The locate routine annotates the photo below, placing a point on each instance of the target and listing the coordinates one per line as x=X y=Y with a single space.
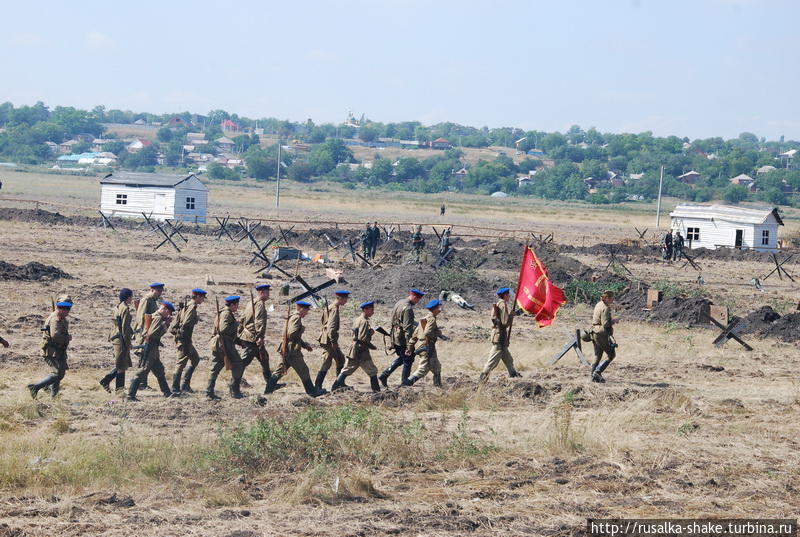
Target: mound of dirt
x=681 y=310
x=766 y=322
x=31 y=272
x=33 y=215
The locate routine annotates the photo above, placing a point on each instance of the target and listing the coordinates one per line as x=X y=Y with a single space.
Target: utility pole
x=278 y=182
x=658 y=206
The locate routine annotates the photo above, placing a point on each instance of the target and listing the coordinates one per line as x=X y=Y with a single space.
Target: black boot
x=320 y=378
x=164 y=385
x=437 y=380
x=597 y=375
x=187 y=379
x=339 y=382
x=106 y=381
x=120 y=386
x=34 y=388
x=212 y=380
x=410 y=380
x=311 y=390
x=383 y=378
x=408 y=363
x=133 y=389
x=514 y=374
x=236 y=388
x=373 y=381
x=55 y=387
x=272 y=385
x=176 y=382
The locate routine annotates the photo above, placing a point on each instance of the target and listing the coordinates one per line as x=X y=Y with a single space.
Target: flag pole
x=516 y=294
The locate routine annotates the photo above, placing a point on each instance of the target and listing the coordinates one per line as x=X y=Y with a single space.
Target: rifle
x=144 y=356
x=119 y=335
x=220 y=338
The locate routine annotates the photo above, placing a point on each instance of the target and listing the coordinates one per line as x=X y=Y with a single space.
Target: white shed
x=727 y=226
x=159 y=196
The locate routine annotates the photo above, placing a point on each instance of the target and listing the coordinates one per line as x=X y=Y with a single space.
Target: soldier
x=402 y=328
x=359 y=355
x=603 y=335
x=144 y=317
x=253 y=332
x=366 y=237
x=223 y=350
x=151 y=356
x=121 y=335
x=291 y=352
x=329 y=338
x=667 y=246
x=442 y=209
x=375 y=240
x=418 y=243
x=501 y=322
x=423 y=342
x=677 y=246
x=55 y=340
x=183 y=330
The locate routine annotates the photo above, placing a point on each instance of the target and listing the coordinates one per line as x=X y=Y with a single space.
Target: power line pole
x=658 y=206
x=278 y=182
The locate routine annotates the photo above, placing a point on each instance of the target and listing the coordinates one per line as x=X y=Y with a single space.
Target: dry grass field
x=681 y=428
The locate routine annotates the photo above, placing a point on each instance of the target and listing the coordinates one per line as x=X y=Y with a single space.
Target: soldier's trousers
x=602 y=345
x=331 y=355
x=499 y=352
x=402 y=359
x=58 y=368
x=122 y=356
x=186 y=354
x=155 y=366
x=295 y=361
x=362 y=360
x=429 y=361
x=250 y=351
x=218 y=364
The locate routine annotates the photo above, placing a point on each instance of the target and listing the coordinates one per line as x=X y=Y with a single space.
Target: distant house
x=460 y=174
x=720 y=226
x=230 y=126
x=765 y=169
x=160 y=196
x=689 y=178
x=787 y=157
x=593 y=183
x=536 y=152
x=616 y=179
x=139 y=122
x=178 y=121
x=98 y=143
x=66 y=147
x=138 y=144
x=192 y=137
x=52 y=146
x=635 y=176
x=225 y=144
x=441 y=143
x=744 y=180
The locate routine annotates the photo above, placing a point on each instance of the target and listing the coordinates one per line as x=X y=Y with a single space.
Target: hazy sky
x=694 y=68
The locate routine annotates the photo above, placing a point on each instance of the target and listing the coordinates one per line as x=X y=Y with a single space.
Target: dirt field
x=681 y=429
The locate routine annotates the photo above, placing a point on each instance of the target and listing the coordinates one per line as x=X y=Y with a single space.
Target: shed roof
x=689 y=174
x=745 y=215
x=145 y=179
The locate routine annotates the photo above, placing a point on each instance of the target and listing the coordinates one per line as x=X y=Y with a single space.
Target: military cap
x=609 y=293
x=262 y=286
x=64 y=301
x=303 y=304
x=232 y=298
x=198 y=291
x=156 y=285
x=125 y=294
x=366 y=304
x=168 y=304
x=432 y=304
x=341 y=292
x=417 y=292
x=502 y=291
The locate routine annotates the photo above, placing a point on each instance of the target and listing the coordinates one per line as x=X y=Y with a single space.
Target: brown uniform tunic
x=501 y=321
x=359 y=355
x=254 y=328
x=148 y=306
x=153 y=363
x=121 y=335
x=426 y=337
x=602 y=330
x=329 y=339
x=55 y=340
x=224 y=342
x=403 y=323
x=294 y=353
x=185 y=323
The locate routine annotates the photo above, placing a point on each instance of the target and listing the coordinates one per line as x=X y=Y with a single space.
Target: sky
x=696 y=68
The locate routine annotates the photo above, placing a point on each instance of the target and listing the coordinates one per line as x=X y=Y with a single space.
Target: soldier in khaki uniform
x=359 y=355
x=403 y=325
x=253 y=332
x=329 y=338
x=223 y=350
x=55 y=340
x=423 y=342
x=292 y=355
x=183 y=330
x=144 y=316
x=121 y=335
x=151 y=355
x=501 y=323
x=603 y=335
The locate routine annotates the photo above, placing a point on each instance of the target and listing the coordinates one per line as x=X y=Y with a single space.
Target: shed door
x=160 y=204
x=739 y=238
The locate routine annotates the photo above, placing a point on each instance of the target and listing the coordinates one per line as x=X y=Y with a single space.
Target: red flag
x=536 y=294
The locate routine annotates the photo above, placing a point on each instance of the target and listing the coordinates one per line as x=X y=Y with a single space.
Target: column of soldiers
x=672 y=245
x=142 y=336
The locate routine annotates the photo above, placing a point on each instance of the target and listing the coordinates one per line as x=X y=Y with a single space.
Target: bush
x=217 y=171
x=589 y=292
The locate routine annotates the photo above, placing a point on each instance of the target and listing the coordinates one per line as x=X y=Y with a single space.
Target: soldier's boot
x=105 y=382
x=267 y=374
x=143 y=384
x=373 y=381
x=383 y=378
x=483 y=379
x=133 y=389
x=187 y=380
x=437 y=380
x=597 y=376
x=338 y=371
x=272 y=385
x=120 y=385
x=34 y=388
x=212 y=381
x=311 y=389
x=235 y=388
x=408 y=363
x=410 y=380
x=55 y=388
x=176 y=382
x=514 y=374
x=320 y=378
x=339 y=382
x=163 y=385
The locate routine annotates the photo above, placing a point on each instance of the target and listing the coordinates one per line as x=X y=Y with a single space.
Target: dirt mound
x=33 y=215
x=766 y=322
x=681 y=310
x=33 y=271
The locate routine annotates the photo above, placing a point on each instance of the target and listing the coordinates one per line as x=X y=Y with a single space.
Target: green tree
x=164 y=134
x=734 y=194
x=369 y=132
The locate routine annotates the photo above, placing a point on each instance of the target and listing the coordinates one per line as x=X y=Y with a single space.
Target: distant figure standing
x=366 y=237
x=677 y=246
x=375 y=238
x=667 y=246
x=442 y=210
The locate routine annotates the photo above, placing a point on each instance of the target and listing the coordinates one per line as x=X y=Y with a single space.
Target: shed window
x=190 y=203
x=693 y=233
x=764 y=237
x=122 y=199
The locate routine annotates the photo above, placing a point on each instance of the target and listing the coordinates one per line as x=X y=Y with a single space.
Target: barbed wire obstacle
x=223 y=227
x=310 y=291
x=168 y=236
x=574 y=342
x=779 y=268
x=691 y=260
x=105 y=222
x=641 y=233
x=729 y=331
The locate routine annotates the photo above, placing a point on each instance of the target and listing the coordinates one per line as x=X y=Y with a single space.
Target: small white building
x=159 y=196
x=727 y=226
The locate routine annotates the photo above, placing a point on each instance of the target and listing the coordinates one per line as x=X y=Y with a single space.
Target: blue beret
x=262 y=286
x=169 y=305
x=502 y=291
x=198 y=291
x=432 y=304
x=64 y=304
x=417 y=292
x=341 y=292
x=125 y=294
x=232 y=298
x=366 y=304
x=303 y=303
x=155 y=285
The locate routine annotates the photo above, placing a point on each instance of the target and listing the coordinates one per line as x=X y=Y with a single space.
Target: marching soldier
x=418 y=243
x=223 y=350
x=677 y=246
x=359 y=355
x=403 y=325
x=366 y=238
x=603 y=336
x=667 y=246
x=183 y=330
x=144 y=317
x=501 y=322
x=121 y=335
x=329 y=338
x=253 y=332
x=291 y=349
x=151 y=355
x=423 y=342
x=55 y=340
